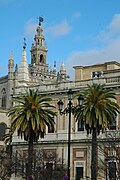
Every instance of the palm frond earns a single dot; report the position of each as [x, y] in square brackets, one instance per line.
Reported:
[99, 106]
[31, 114]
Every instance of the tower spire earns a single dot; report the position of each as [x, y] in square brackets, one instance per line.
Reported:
[23, 74]
[39, 69]
[10, 66]
[62, 73]
[11, 55]
[39, 49]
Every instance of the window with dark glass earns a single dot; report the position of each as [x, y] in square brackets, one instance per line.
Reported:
[96, 74]
[80, 125]
[2, 131]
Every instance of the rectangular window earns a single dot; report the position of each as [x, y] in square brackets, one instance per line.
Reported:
[96, 74]
[113, 126]
[80, 126]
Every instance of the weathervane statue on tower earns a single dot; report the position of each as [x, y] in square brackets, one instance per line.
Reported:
[40, 20]
[24, 45]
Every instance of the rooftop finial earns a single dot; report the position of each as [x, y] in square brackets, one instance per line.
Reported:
[54, 64]
[11, 56]
[40, 20]
[24, 45]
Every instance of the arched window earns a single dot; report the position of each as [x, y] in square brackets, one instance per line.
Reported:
[41, 58]
[38, 41]
[2, 130]
[3, 105]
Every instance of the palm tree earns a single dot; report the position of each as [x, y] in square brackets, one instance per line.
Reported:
[29, 116]
[98, 111]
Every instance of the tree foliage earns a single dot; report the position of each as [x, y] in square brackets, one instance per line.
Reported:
[97, 112]
[29, 116]
[99, 107]
[46, 165]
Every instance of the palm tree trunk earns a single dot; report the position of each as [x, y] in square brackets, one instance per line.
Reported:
[94, 163]
[30, 158]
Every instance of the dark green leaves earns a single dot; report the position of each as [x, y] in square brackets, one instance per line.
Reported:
[31, 113]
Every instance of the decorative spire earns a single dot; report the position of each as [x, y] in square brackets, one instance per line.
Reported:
[62, 67]
[11, 61]
[62, 73]
[10, 66]
[23, 74]
[11, 55]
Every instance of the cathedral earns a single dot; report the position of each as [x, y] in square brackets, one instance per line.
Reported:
[37, 75]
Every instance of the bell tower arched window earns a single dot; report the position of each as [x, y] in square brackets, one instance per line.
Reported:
[41, 58]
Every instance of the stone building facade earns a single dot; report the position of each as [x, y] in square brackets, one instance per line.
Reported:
[55, 84]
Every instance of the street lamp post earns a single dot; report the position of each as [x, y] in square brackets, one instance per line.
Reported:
[69, 109]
